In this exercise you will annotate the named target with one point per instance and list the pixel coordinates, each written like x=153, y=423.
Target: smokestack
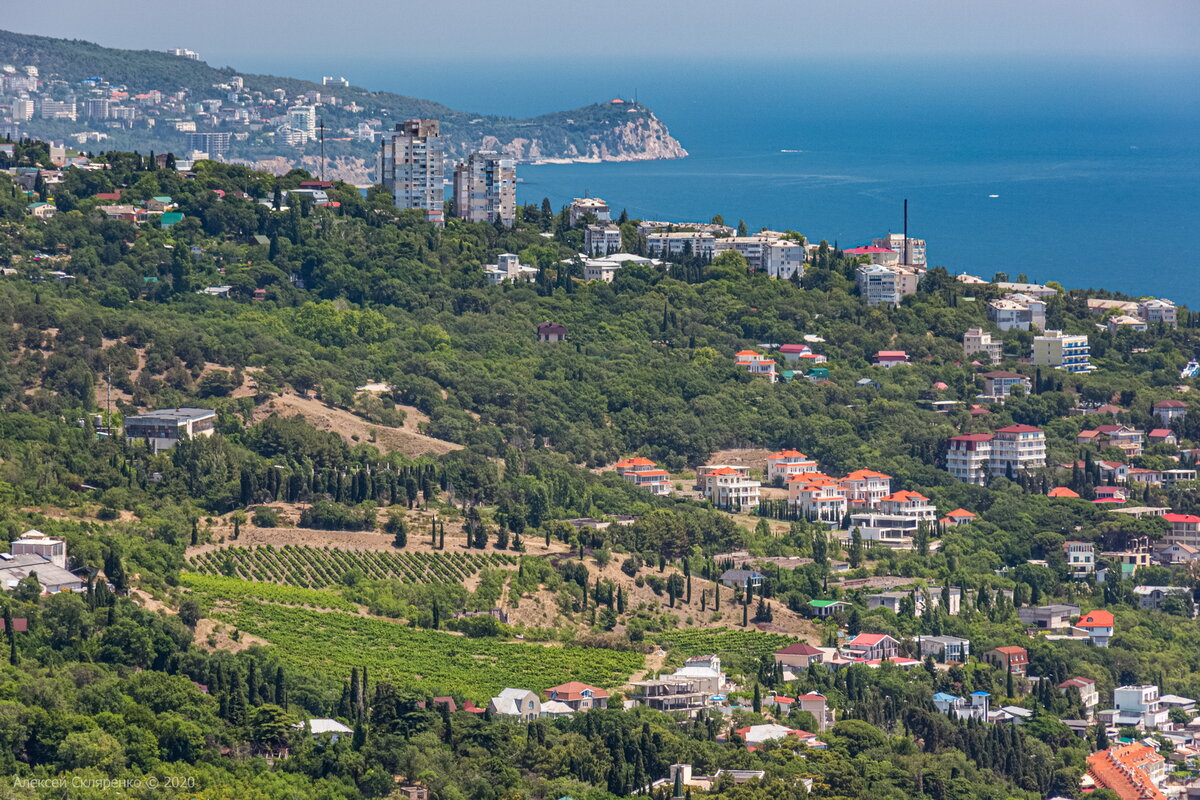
x=906, y=253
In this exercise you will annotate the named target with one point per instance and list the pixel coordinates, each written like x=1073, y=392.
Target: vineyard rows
x=219, y=588
x=319, y=567
x=327, y=644
x=754, y=644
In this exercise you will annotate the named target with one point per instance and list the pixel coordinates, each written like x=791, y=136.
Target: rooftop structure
x=165, y=428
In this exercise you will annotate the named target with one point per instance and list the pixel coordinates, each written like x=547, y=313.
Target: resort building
x=165, y=428
x=977, y=340
x=1062, y=351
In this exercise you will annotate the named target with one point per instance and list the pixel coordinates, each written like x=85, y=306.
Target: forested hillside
x=292, y=566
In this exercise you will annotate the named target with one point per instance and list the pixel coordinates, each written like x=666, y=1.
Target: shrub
x=266, y=517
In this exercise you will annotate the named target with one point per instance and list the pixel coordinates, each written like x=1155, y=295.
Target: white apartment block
x=1138, y=705
x=1185, y=529
x=731, y=489
x=412, y=166
x=601, y=240
x=303, y=121
x=1081, y=558
x=865, y=488
x=581, y=207
x=751, y=247
x=1062, y=351
x=680, y=244
x=897, y=519
x=885, y=285
x=485, y=188
x=595, y=269
x=787, y=463
x=784, y=259
x=508, y=267
x=977, y=340
x=817, y=496
x=896, y=243
x=975, y=457
x=1009, y=313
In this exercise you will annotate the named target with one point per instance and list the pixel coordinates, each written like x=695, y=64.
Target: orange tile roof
x=859, y=474
x=1123, y=771
x=636, y=461
x=805, y=477
x=741, y=353
x=960, y=513
x=573, y=690
x=787, y=454
x=904, y=496
x=1061, y=491
x=1096, y=619
x=723, y=471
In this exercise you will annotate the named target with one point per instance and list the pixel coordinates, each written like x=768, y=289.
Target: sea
x=1085, y=172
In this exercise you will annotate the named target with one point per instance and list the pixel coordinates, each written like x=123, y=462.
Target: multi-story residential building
x=977, y=340
x=1155, y=310
x=1099, y=624
x=1136, y=706
x=999, y=383
x=910, y=251
x=680, y=244
x=786, y=463
x=1089, y=695
x=485, y=188
x=579, y=696
x=1010, y=658
x=1126, y=439
x=969, y=457
x=865, y=488
x=881, y=285
x=34, y=542
x=21, y=109
x=945, y=648
x=872, y=646
x=1169, y=410
x=302, y=120
x=1185, y=529
x=975, y=707
x=1132, y=771
x=588, y=208
x=729, y=488
x=766, y=252
x=897, y=519
x=601, y=240
x=215, y=143
x=1021, y=447
x=1124, y=322
x=166, y=428
x=757, y=365
x=947, y=598
x=784, y=259
x=880, y=256
x=599, y=269
x=1054, y=617
x=412, y=167
x=508, y=267
x=1062, y=351
x=816, y=496
x=645, y=474
x=1009, y=313
x=96, y=108
x=1081, y=558
x=56, y=109
x=1151, y=597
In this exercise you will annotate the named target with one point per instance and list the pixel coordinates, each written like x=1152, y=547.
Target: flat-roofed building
x=165, y=428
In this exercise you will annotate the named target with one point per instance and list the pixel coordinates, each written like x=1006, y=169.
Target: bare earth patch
x=407, y=440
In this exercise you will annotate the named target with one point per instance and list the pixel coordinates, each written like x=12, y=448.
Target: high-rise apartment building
x=215, y=143
x=302, y=120
x=21, y=109
x=412, y=166
x=911, y=255
x=485, y=188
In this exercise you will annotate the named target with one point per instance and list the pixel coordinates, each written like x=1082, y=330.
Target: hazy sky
x=448, y=31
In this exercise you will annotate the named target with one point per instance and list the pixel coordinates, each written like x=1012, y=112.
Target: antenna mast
x=321, y=128
x=907, y=254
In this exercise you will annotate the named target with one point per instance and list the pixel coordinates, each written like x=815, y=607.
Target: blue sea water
x=1095, y=166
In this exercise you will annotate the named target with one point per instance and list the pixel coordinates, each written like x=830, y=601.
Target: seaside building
x=508, y=267
x=412, y=167
x=1062, y=351
x=911, y=253
x=680, y=244
x=582, y=207
x=1020, y=312
x=977, y=340
x=1155, y=310
x=881, y=285
x=601, y=240
x=215, y=143
x=485, y=188
x=302, y=121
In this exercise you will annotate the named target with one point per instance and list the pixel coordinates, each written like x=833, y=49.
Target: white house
x=520, y=703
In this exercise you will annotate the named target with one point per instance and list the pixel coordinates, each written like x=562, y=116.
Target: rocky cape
x=616, y=130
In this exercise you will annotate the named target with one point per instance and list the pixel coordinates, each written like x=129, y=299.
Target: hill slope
x=603, y=131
